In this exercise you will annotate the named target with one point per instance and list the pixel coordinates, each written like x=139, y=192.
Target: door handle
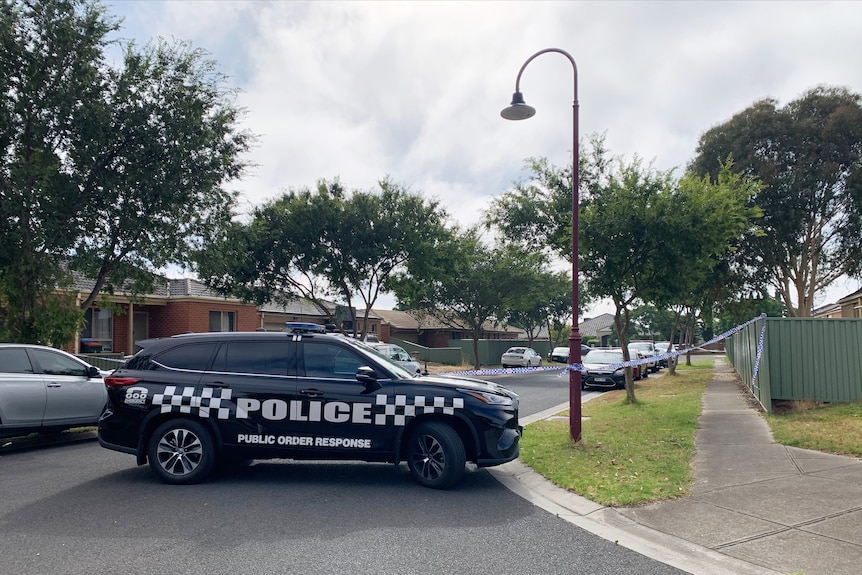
x=54, y=384
x=218, y=384
x=311, y=392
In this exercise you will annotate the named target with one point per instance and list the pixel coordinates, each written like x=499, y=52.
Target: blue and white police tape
x=633, y=362
x=503, y=370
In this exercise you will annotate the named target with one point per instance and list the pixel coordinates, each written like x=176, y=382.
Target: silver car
x=397, y=354
x=521, y=356
x=47, y=390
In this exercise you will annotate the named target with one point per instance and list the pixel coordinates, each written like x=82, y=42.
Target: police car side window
x=263, y=357
x=194, y=357
x=324, y=359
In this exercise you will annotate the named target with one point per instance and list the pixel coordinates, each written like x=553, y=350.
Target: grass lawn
x=834, y=428
x=636, y=454
x=629, y=454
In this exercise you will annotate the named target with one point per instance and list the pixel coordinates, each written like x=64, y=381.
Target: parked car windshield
x=604, y=356
x=642, y=345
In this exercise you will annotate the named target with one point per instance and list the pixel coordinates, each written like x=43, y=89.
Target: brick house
x=850, y=306
x=186, y=305
x=428, y=331
x=175, y=306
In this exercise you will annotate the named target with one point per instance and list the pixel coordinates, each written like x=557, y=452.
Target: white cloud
x=413, y=90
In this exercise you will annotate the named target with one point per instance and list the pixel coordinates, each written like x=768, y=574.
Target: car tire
x=181, y=451
x=435, y=455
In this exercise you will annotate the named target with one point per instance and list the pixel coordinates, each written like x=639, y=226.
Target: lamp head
x=518, y=110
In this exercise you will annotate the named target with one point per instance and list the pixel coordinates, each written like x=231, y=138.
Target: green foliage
x=108, y=172
x=808, y=157
x=540, y=298
x=326, y=242
x=644, y=236
x=743, y=309
x=475, y=284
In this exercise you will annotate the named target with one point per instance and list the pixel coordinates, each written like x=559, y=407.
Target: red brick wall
x=194, y=316
x=121, y=330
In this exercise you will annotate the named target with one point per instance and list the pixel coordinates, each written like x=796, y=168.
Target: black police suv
x=186, y=402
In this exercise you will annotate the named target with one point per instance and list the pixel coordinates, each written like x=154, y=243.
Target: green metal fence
x=460, y=351
x=444, y=355
x=803, y=359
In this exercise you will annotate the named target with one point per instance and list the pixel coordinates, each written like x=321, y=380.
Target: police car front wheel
x=181, y=451
x=436, y=455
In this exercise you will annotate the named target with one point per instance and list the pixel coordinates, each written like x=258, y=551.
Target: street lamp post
x=519, y=110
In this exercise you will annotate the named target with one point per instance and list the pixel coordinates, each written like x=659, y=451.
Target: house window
x=98, y=331
x=222, y=321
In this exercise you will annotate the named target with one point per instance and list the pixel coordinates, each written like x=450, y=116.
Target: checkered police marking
x=185, y=401
x=397, y=410
x=401, y=410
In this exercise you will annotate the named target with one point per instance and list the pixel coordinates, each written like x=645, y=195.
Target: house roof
x=848, y=298
x=592, y=326
x=412, y=320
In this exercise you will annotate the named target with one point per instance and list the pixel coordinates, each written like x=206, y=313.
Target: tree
x=540, y=297
x=536, y=214
x=472, y=285
x=153, y=156
x=808, y=156
x=50, y=57
x=325, y=242
x=108, y=172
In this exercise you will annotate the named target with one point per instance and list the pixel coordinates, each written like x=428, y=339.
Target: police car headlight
x=490, y=398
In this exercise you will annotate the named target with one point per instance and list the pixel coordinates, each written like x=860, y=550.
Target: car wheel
x=436, y=455
x=181, y=451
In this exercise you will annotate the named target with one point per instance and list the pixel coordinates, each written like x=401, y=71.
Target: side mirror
x=366, y=376
x=93, y=372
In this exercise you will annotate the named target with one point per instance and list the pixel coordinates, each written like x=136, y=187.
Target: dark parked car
x=561, y=354
x=602, y=369
x=47, y=390
x=185, y=402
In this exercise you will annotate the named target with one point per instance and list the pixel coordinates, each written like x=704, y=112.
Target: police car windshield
x=393, y=366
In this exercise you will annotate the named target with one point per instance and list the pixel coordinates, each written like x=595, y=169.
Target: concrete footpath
x=756, y=507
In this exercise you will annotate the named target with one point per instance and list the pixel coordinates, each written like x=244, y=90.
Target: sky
x=413, y=90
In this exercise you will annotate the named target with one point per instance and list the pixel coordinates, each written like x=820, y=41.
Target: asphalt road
x=78, y=508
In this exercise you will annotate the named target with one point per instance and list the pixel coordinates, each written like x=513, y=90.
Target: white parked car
x=648, y=349
x=521, y=357
x=399, y=355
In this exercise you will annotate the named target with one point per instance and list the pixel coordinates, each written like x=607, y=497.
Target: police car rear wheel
x=181, y=451
x=436, y=455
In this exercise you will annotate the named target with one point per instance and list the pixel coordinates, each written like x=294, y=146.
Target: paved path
x=756, y=506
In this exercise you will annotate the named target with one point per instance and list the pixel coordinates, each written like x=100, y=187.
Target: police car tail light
x=120, y=381
x=491, y=398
